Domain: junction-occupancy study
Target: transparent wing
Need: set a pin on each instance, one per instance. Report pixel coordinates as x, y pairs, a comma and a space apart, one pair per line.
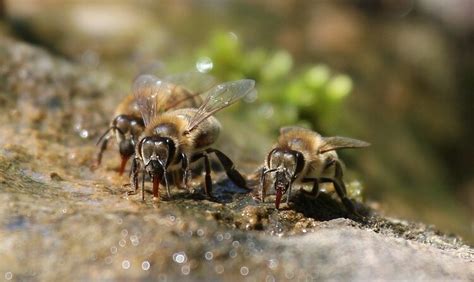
193, 81
337, 142
287, 129
188, 88
219, 97
150, 94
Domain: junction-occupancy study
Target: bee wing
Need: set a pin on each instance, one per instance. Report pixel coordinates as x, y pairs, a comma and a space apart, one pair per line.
219, 97
336, 142
287, 129
193, 81
195, 84
150, 94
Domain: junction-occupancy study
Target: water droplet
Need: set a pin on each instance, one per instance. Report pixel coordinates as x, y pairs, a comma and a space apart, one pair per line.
289, 274
227, 236
204, 64
134, 240
209, 255
266, 111
64, 210
108, 260
219, 237
185, 269
8, 275
122, 243
244, 271
233, 36
90, 58
272, 263
113, 250
219, 269
232, 253
146, 265
251, 244
235, 244
269, 278
200, 232
84, 133
180, 257
124, 232
125, 264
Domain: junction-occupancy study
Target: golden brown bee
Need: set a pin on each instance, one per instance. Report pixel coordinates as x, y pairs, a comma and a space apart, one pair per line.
128, 124
174, 139
303, 156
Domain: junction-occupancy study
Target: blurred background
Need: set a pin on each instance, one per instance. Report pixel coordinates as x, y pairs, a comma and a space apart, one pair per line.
396, 73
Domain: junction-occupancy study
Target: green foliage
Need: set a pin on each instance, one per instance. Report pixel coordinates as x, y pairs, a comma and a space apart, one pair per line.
308, 94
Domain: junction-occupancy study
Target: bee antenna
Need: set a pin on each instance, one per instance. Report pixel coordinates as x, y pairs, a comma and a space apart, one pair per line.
107, 132
103, 135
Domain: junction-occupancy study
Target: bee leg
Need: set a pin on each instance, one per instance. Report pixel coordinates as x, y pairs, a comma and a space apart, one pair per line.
134, 177
186, 171
208, 180
229, 168
288, 195
340, 188
207, 175
143, 186
103, 147
177, 179
314, 193
342, 192
263, 191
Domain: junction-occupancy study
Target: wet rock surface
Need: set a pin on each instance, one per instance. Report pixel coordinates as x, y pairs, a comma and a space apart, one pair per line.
60, 220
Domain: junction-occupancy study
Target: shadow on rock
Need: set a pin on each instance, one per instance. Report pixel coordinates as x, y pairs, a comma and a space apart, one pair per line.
324, 208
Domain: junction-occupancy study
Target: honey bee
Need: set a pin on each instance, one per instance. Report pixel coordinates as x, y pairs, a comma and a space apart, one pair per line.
128, 124
175, 139
304, 156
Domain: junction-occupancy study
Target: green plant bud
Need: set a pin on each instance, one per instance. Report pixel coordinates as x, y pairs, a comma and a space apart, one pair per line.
317, 76
339, 87
278, 66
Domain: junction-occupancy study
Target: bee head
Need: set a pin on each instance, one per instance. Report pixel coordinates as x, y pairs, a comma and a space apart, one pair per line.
156, 153
287, 165
128, 129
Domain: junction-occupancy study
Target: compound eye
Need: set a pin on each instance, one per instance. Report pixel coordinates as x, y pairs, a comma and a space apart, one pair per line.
154, 149
123, 124
147, 149
289, 162
163, 154
136, 128
276, 158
